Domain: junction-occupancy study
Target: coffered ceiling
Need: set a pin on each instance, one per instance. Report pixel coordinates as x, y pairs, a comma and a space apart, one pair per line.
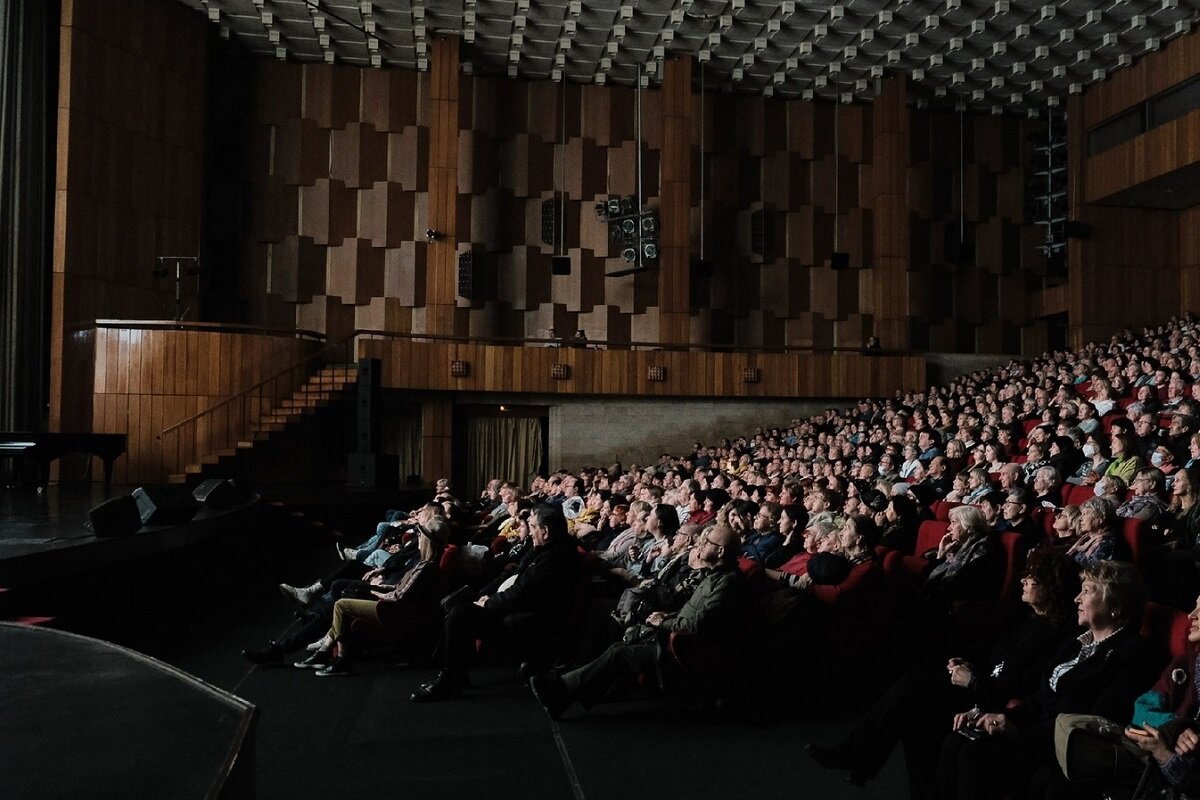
995, 56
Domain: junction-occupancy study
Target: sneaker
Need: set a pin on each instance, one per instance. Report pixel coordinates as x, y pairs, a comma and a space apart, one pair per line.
338, 668
324, 643
349, 554
320, 658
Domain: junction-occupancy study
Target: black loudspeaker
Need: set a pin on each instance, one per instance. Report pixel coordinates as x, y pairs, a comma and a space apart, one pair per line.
702, 269
839, 261
367, 411
560, 265
466, 275
219, 494
548, 222
164, 506
371, 470
116, 517
1074, 229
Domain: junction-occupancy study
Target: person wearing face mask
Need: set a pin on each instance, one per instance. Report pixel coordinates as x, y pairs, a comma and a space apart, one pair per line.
1095, 462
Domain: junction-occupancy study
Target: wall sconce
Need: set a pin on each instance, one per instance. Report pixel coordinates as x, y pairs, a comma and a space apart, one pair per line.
460, 369
560, 372
751, 375
656, 373
434, 235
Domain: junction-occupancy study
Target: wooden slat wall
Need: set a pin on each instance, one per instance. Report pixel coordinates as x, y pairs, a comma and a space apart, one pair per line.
675, 213
129, 184
146, 380
1157, 152
441, 315
1127, 87
890, 173
426, 365
1136, 266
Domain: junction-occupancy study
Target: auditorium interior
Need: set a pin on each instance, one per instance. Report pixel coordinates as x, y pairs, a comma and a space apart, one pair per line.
271, 268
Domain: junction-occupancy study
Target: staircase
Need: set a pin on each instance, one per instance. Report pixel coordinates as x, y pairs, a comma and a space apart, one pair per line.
320, 390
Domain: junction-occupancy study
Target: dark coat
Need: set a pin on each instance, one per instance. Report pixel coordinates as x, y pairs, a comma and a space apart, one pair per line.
546, 582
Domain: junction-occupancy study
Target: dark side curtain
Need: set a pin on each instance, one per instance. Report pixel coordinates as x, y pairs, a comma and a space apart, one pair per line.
28, 87
509, 448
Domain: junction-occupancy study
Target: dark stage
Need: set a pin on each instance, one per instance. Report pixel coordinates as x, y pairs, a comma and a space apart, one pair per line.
195, 606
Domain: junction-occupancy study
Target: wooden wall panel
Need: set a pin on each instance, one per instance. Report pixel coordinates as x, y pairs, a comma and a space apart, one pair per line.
425, 365
128, 185
147, 379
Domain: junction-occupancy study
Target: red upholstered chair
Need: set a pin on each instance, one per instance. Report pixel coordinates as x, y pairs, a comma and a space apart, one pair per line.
1138, 534
929, 535
1030, 424
941, 509
1166, 627
1048, 517
1014, 559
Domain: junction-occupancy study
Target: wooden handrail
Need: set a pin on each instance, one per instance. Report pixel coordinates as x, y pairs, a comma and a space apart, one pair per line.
605, 344
251, 389
214, 327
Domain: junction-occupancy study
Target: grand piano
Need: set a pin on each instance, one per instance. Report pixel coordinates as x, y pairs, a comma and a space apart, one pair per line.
32, 452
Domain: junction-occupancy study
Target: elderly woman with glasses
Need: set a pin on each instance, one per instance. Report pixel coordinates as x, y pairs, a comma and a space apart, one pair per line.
913, 711
1099, 672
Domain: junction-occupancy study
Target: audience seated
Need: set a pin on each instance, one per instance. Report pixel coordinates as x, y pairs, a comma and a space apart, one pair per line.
815, 510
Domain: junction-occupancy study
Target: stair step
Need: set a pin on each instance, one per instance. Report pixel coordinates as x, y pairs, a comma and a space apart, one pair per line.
177, 479
273, 427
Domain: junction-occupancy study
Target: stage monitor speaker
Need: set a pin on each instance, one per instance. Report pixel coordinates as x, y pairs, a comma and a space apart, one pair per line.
560, 265
219, 494
116, 517
839, 261
164, 506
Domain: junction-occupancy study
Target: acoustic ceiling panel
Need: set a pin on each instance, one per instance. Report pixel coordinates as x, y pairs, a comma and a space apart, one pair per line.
992, 55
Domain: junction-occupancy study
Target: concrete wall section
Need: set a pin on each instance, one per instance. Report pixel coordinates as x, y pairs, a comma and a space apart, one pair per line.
636, 431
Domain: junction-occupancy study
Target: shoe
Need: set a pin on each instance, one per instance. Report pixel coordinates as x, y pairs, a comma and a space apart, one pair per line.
446, 686
339, 667
318, 659
324, 643
304, 595
349, 554
269, 656
552, 693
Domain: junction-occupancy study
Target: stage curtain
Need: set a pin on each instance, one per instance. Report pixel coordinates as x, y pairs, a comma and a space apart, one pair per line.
509, 448
28, 85
402, 438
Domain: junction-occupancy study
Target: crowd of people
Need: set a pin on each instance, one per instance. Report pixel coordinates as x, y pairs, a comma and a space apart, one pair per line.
1006, 656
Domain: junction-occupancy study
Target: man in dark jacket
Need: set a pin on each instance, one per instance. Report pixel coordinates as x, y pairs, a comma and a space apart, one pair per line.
542, 590
712, 611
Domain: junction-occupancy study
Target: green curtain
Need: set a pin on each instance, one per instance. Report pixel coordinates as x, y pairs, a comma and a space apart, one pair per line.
509, 448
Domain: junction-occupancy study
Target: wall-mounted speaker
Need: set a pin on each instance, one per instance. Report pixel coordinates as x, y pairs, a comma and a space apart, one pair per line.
466, 275
839, 261
560, 265
548, 222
